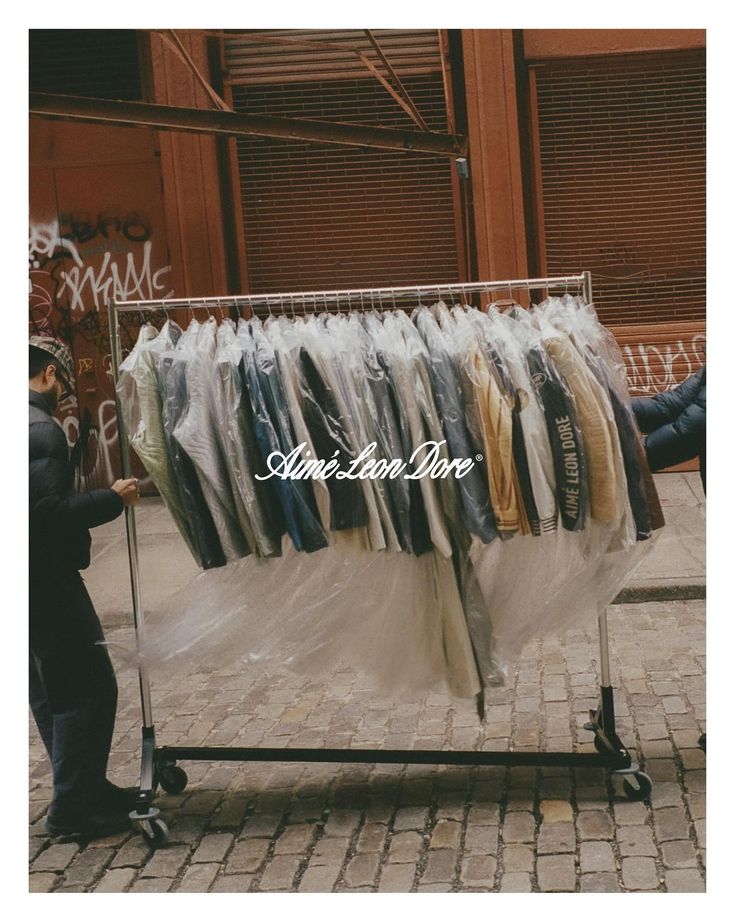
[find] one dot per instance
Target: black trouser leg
(40, 705)
(78, 680)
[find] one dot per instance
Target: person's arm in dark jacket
(654, 411)
(52, 499)
(678, 441)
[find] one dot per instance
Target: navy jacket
(59, 516)
(674, 422)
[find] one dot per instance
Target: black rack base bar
(159, 767)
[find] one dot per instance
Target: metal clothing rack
(159, 765)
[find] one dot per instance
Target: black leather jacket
(59, 517)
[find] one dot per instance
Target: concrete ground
(322, 828)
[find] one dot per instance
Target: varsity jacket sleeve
(52, 499)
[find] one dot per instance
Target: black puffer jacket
(674, 422)
(60, 517)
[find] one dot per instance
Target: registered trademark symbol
(479, 457)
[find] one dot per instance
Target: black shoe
(123, 797)
(98, 824)
(701, 743)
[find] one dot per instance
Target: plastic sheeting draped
(413, 609)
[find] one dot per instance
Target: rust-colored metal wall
(126, 212)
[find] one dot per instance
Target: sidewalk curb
(664, 592)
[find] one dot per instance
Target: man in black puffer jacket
(73, 691)
(674, 423)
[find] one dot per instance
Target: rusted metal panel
(621, 160)
(96, 231)
(495, 155)
(546, 44)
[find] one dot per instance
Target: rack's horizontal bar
(387, 293)
(373, 755)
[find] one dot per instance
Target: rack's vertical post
(138, 617)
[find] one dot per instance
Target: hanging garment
(564, 436)
(383, 424)
(495, 414)
(531, 416)
(233, 415)
(443, 363)
(603, 457)
(140, 398)
(346, 350)
(196, 433)
(172, 377)
(421, 538)
(300, 506)
(528, 516)
(600, 351)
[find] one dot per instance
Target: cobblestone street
(393, 828)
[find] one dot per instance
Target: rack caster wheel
(640, 789)
(155, 831)
(172, 779)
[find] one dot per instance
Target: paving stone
(42, 882)
(597, 856)
(484, 813)
(555, 810)
(399, 878)
(405, 847)
(556, 838)
(232, 884)
(116, 880)
(167, 862)
(246, 856)
(683, 880)
(599, 883)
(639, 873)
(372, 838)
(446, 834)
(594, 825)
(478, 871)
(516, 882)
(88, 865)
(361, 870)
(279, 873)
(319, 879)
(56, 857)
(482, 839)
(671, 824)
(152, 885)
(212, 848)
(518, 828)
(636, 841)
(134, 852)
(679, 854)
(627, 813)
(414, 818)
(518, 858)
(440, 866)
(198, 878)
(329, 851)
(556, 873)
(295, 839)
(342, 823)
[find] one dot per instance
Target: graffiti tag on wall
(76, 264)
(653, 368)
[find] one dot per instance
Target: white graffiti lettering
(653, 368)
(112, 280)
(45, 242)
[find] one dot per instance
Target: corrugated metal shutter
(412, 52)
(322, 216)
(85, 62)
(621, 153)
